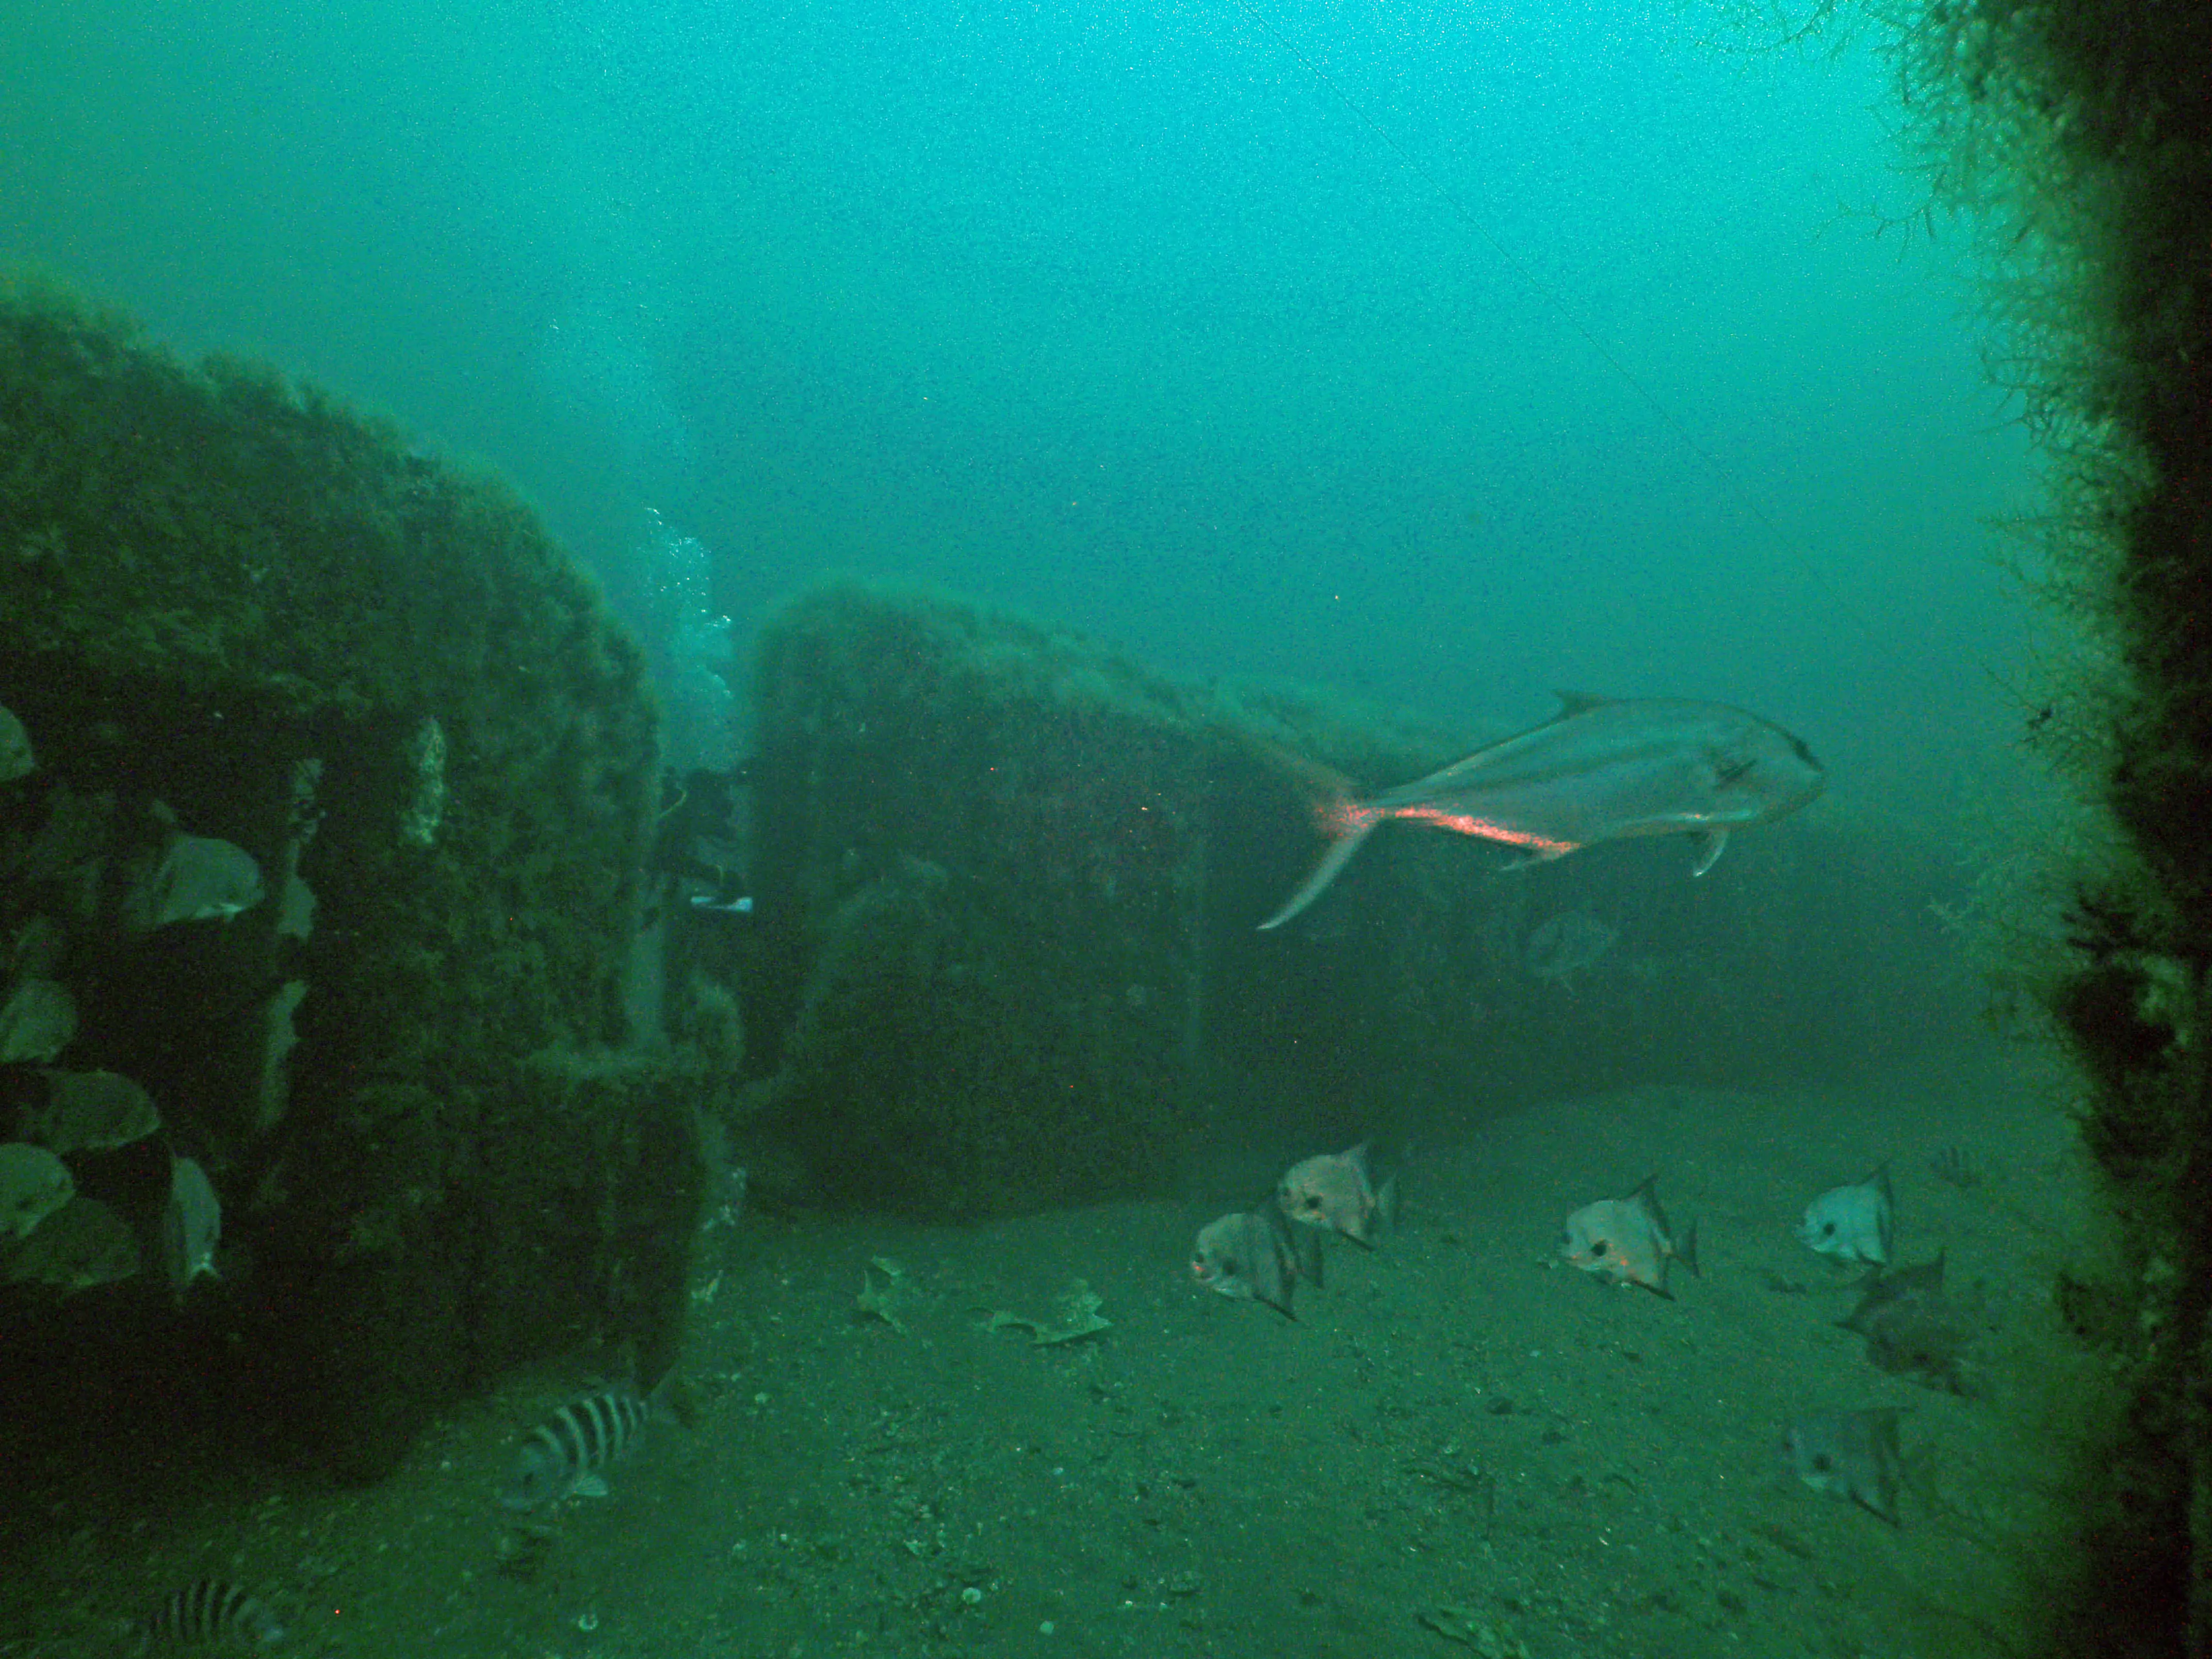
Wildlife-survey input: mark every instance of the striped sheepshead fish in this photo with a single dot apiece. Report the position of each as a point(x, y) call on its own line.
point(564, 1457)
point(213, 1613)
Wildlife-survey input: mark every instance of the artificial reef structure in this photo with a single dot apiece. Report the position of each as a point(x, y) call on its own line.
point(328, 782)
point(2079, 136)
point(1007, 886)
point(349, 1056)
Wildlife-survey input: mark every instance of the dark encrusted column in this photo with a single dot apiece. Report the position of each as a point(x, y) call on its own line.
point(242, 624)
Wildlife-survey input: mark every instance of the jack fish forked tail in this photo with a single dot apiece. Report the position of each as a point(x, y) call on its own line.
point(1344, 818)
point(1600, 770)
point(1349, 823)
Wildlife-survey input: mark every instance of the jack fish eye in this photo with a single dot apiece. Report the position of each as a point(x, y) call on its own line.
point(1821, 1462)
point(1598, 1249)
point(1827, 1230)
point(1313, 1202)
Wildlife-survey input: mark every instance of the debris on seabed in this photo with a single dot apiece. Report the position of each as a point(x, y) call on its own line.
point(885, 1301)
point(1075, 1315)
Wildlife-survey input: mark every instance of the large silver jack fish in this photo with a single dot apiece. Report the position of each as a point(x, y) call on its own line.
point(1600, 769)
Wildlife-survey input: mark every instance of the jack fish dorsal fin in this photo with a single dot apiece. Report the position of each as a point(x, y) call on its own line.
point(1578, 702)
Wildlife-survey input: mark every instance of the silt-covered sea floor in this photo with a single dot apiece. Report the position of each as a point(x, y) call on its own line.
point(1462, 1445)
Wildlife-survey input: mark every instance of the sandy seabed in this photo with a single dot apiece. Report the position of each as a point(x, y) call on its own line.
point(1461, 1445)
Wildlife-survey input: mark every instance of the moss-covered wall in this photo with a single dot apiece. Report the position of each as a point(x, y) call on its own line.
point(1009, 883)
point(2081, 134)
point(979, 869)
point(231, 608)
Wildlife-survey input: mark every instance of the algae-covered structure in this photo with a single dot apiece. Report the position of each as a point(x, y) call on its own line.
point(329, 846)
point(2080, 134)
point(981, 861)
point(1008, 886)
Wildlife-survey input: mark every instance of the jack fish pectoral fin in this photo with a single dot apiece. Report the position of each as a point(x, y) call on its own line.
point(1708, 845)
point(1324, 872)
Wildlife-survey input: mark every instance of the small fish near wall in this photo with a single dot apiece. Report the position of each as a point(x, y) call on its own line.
point(324, 794)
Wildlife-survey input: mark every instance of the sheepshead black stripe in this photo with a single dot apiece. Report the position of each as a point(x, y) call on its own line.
point(562, 1436)
point(563, 1454)
point(214, 1613)
point(590, 1433)
point(604, 1422)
